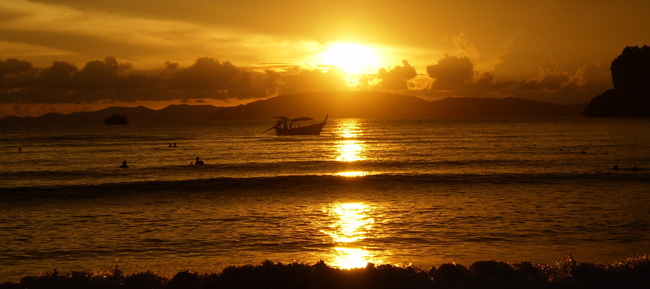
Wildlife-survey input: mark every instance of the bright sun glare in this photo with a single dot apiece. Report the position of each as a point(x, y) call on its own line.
point(353, 58)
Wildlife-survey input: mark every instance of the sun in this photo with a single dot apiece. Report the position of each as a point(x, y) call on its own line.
point(353, 58)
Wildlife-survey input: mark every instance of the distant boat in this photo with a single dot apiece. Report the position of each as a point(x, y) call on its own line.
point(116, 119)
point(286, 126)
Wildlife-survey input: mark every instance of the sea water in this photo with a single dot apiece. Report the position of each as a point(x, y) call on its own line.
point(401, 192)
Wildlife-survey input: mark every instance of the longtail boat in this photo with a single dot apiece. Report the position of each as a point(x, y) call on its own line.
point(287, 126)
point(116, 119)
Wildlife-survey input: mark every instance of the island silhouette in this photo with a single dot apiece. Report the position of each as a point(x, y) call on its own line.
point(631, 94)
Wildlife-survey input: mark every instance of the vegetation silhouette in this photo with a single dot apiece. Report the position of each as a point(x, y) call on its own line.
point(631, 94)
point(631, 273)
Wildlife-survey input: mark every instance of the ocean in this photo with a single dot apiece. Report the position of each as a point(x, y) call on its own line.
point(400, 192)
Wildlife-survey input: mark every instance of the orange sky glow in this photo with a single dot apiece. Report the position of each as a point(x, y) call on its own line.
point(556, 51)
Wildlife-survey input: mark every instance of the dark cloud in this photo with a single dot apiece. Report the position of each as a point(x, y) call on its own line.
point(396, 78)
point(454, 76)
point(451, 73)
point(59, 75)
point(62, 82)
point(207, 73)
point(16, 73)
point(110, 80)
point(97, 74)
point(14, 66)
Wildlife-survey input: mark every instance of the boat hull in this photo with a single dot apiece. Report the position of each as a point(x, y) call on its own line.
point(313, 129)
point(116, 119)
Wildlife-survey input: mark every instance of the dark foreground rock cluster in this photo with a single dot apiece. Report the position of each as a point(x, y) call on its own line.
point(632, 273)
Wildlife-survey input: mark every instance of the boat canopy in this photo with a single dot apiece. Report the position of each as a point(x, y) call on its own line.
point(302, 119)
point(284, 118)
point(285, 126)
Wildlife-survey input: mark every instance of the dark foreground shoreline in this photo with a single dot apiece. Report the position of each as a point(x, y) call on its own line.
point(631, 273)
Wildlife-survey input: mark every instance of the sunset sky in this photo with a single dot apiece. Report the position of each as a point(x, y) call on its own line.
point(557, 51)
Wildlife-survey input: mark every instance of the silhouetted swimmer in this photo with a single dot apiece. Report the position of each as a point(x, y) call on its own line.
point(635, 169)
point(584, 152)
point(175, 145)
point(124, 165)
point(198, 162)
point(20, 149)
point(170, 145)
point(615, 168)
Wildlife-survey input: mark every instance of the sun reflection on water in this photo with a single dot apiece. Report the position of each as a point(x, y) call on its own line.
point(351, 223)
point(352, 174)
point(348, 258)
point(349, 149)
point(348, 128)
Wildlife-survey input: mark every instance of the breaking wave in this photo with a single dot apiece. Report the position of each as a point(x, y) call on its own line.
point(305, 182)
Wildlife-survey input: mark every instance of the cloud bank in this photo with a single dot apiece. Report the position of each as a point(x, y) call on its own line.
point(210, 79)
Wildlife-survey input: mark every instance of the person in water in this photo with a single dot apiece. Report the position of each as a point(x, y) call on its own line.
point(124, 165)
point(198, 162)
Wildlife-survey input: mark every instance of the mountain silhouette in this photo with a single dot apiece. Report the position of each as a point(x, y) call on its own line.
point(390, 106)
point(172, 113)
point(372, 105)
